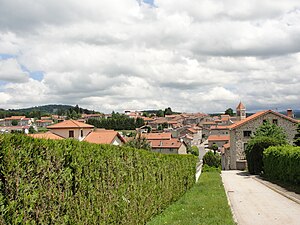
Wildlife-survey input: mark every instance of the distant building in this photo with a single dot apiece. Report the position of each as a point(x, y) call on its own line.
point(71, 129)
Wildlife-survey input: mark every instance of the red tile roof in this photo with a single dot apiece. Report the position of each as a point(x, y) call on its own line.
point(241, 106)
point(70, 124)
point(218, 138)
point(101, 136)
point(47, 135)
point(259, 114)
point(172, 143)
point(157, 136)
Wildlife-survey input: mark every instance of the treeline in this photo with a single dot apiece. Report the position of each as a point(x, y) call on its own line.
point(72, 182)
point(72, 112)
point(117, 122)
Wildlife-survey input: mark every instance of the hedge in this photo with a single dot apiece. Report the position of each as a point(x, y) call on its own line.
point(71, 182)
point(282, 163)
point(254, 152)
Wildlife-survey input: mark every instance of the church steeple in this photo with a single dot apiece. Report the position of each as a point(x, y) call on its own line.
point(241, 111)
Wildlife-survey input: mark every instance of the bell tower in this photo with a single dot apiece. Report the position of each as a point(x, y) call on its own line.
point(241, 112)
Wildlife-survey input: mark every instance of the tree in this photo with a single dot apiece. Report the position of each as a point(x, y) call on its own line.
point(14, 122)
point(139, 142)
point(168, 111)
point(214, 147)
point(212, 160)
point(194, 150)
point(160, 113)
point(297, 136)
point(270, 130)
point(229, 112)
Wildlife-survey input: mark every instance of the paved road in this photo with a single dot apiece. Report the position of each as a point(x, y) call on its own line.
point(254, 203)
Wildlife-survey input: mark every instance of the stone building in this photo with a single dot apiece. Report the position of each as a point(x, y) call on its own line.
point(241, 132)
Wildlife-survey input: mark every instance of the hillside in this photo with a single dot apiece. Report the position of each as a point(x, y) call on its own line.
point(38, 111)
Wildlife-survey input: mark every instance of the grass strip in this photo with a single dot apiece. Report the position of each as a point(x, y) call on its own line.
point(204, 203)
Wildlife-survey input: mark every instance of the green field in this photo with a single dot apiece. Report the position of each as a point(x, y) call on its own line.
point(205, 203)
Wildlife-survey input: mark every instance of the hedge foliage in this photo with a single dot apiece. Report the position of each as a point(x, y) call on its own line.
point(254, 152)
point(71, 182)
point(282, 163)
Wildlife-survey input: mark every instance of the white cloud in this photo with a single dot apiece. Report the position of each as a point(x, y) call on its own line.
point(189, 55)
point(11, 71)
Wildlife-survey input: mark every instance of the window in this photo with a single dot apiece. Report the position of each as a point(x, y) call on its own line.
point(71, 133)
point(247, 133)
point(81, 133)
point(264, 121)
point(275, 121)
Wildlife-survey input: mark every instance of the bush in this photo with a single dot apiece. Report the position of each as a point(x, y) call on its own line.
point(71, 182)
point(194, 150)
point(254, 152)
point(282, 163)
point(211, 159)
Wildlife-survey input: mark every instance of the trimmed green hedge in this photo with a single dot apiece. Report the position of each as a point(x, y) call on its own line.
point(254, 152)
point(71, 182)
point(282, 163)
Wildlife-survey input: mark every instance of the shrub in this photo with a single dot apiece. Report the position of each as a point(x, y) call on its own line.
point(254, 152)
point(282, 163)
point(194, 150)
point(71, 182)
point(211, 159)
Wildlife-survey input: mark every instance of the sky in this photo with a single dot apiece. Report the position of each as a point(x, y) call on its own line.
point(192, 56)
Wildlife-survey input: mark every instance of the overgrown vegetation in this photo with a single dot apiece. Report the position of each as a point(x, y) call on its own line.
point(265, 136)
point(139, 142)
point(117, 122)
point(71, 182)
point(194, 150)
point(211, 159)
point(204, 204)
point(282, 163)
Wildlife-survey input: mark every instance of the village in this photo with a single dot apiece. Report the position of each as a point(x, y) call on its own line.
point(168, 134)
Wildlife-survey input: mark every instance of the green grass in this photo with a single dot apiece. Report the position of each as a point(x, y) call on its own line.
point(204, 203)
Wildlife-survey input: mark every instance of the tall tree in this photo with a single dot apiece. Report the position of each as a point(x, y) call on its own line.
point(160, 113)
point(229, 112)
point(168, 111)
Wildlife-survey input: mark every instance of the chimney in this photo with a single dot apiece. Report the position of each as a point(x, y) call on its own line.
point(290, 113)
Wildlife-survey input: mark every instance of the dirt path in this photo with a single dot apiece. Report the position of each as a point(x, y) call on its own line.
point(254, 203)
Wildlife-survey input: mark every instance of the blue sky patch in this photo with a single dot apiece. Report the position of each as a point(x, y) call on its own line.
point(36, 75)
point(6, 56)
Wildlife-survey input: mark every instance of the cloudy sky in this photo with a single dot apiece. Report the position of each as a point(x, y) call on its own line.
point(142, 54)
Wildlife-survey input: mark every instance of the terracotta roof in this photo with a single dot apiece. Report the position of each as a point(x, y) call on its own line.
point(172, 143)
point(70, 124)
point(157, 136)
point(209, 123)
point(192, 130)
point(257, 115)
point(47, 135)
point(241, 106)
point(227, 145)
point(218, 138)
point(102, 136)
point(219, 127)
point(15, 118)
point(44, 121)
